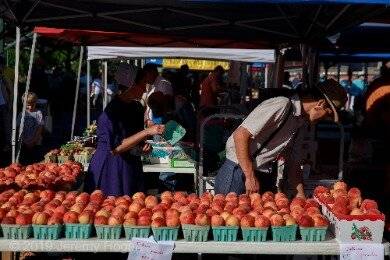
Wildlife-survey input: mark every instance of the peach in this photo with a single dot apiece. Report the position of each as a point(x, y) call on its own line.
point(320, 189)
point(354, 192)
point(85, 218)
point(311, 203)
point(338, 209)
point(267, 196)
point(138, 195)
point(176, 205)
point(282, 203)
point(219, 197)
point(297, 202)
point(340, 193)
point(280, 195)
point(232, 221)
point(320, 221)
point(8, 220)
point(254, 213)
point(151, 201)
point(373, 212)
point(23, 219)
point(225, 215)
point(187, 208)
point(158, 214)
point(131, 214)
point(193, 205)
point(217, 208)
point(231, 197)
point(191, 197)
point(172, 213)
point(144, 212)
point(202, 209)
point(271, 205)
point(143, 221)
point(61, 209)
point(187, 218)
point(368, 204)
point(40, 218)
point(268, 213)
point(97, 196)
point(356, 212)
point(245, 207)
point(217, 221)
point(70, 217)
point(297, 213)
point(158, 222)
point(283, 211)
point(12, 213)
point(166, 195)
point(139, 201)
point(179, 194)
point(130, 222)
point(135, 207)
point(118, 211)
point(100, 220)
point(103, 212)
point(312, 211)
point(305, 221)
point(277, 220)
point(115, 220)
point(239, 213)
point(211, 212)
point(247, 221)
point(290, 221)
point(168, 201)
point(262, 222)
point(55, 220)
point(257, 203)
point(206, 196)
point(78, 208)
point(202, 220)
point(340, 185)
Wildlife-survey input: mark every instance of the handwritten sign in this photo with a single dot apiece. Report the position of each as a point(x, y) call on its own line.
point(362, 251)
point(149, 249)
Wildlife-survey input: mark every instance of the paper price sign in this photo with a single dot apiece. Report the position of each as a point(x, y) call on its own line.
point(149, 249)
point(362, 251)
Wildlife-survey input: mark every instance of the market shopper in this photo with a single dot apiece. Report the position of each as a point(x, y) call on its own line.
point(210, 87)
point(116, 166)
point(275, 127)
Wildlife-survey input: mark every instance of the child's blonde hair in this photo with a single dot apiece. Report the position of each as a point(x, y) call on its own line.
point(32, 98)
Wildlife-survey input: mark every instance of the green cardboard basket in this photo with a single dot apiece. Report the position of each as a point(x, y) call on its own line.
point(16, 231)
point(137, 231)
point(78, 231)
point(313, 234)
point(108, 232)
point(252, 234)
point(51, 232)
point(194, 233)
point(284, 234)
point(165, 233)
point(225, 234)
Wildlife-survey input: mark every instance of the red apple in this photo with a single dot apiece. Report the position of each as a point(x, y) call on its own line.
point(368, 204)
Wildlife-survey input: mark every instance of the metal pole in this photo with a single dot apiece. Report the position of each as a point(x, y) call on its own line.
point(77, 92)
point(266, 75)
point(15, 97)
point(21, 127)
point(105, 84)
point(88, 93)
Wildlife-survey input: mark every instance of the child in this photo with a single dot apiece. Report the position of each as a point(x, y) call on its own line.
point(32, 131)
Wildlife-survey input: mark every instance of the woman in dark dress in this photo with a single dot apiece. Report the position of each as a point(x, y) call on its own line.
point(116, 166)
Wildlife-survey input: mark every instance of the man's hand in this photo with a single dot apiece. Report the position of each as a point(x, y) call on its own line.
point(251, 184)
point(300, 191)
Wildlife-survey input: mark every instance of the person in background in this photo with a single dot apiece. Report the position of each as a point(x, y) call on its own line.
point(32, 131)
point(96, 89)
point(210, 87)
point(156, 83)
point(297, 81)
point(286, 80)
point(5, 110)
point(275, 127)
point(116, 166)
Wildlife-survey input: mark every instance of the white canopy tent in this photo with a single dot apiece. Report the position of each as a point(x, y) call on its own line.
point(244, 55)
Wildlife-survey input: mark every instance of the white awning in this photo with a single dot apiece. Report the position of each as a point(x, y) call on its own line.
point(244, 55)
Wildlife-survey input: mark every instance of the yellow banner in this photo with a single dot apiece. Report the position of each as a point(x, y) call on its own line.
point(194, 64)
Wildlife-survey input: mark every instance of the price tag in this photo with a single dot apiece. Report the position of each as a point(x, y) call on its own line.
point(362, 251)
point(149, 249)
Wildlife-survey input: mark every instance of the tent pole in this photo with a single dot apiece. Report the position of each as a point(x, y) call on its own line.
point(105, 84)
point(88, 93)
point(21, 127)
point(15, 97)
point(76, 97)
point(266, 76)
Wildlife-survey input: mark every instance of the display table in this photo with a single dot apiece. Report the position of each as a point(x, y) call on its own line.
point(329, 247)
point(167, 168)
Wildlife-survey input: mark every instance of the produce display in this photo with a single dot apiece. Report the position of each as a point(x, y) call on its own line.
point(49, 215)
point(72, 151)
point(41, 176)
point(353, 218)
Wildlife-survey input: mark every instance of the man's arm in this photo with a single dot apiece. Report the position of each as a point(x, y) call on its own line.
point(242, 139)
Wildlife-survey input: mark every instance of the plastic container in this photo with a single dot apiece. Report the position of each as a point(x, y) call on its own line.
point(17, 231)
point(313, 234)
point(284, 234)
point(47, 231)
point(64, 158)
point(173, 132)
point(108, 232)
point(78, 231)
point(225, 234)
point(137, 231)
point(251, 234)
point(166, 233)
point(194, 233)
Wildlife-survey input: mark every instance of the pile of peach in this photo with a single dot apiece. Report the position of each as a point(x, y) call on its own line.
point(344, 201)
point(40, 175)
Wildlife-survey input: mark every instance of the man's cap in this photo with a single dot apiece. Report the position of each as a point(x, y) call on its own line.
point(335, 95)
